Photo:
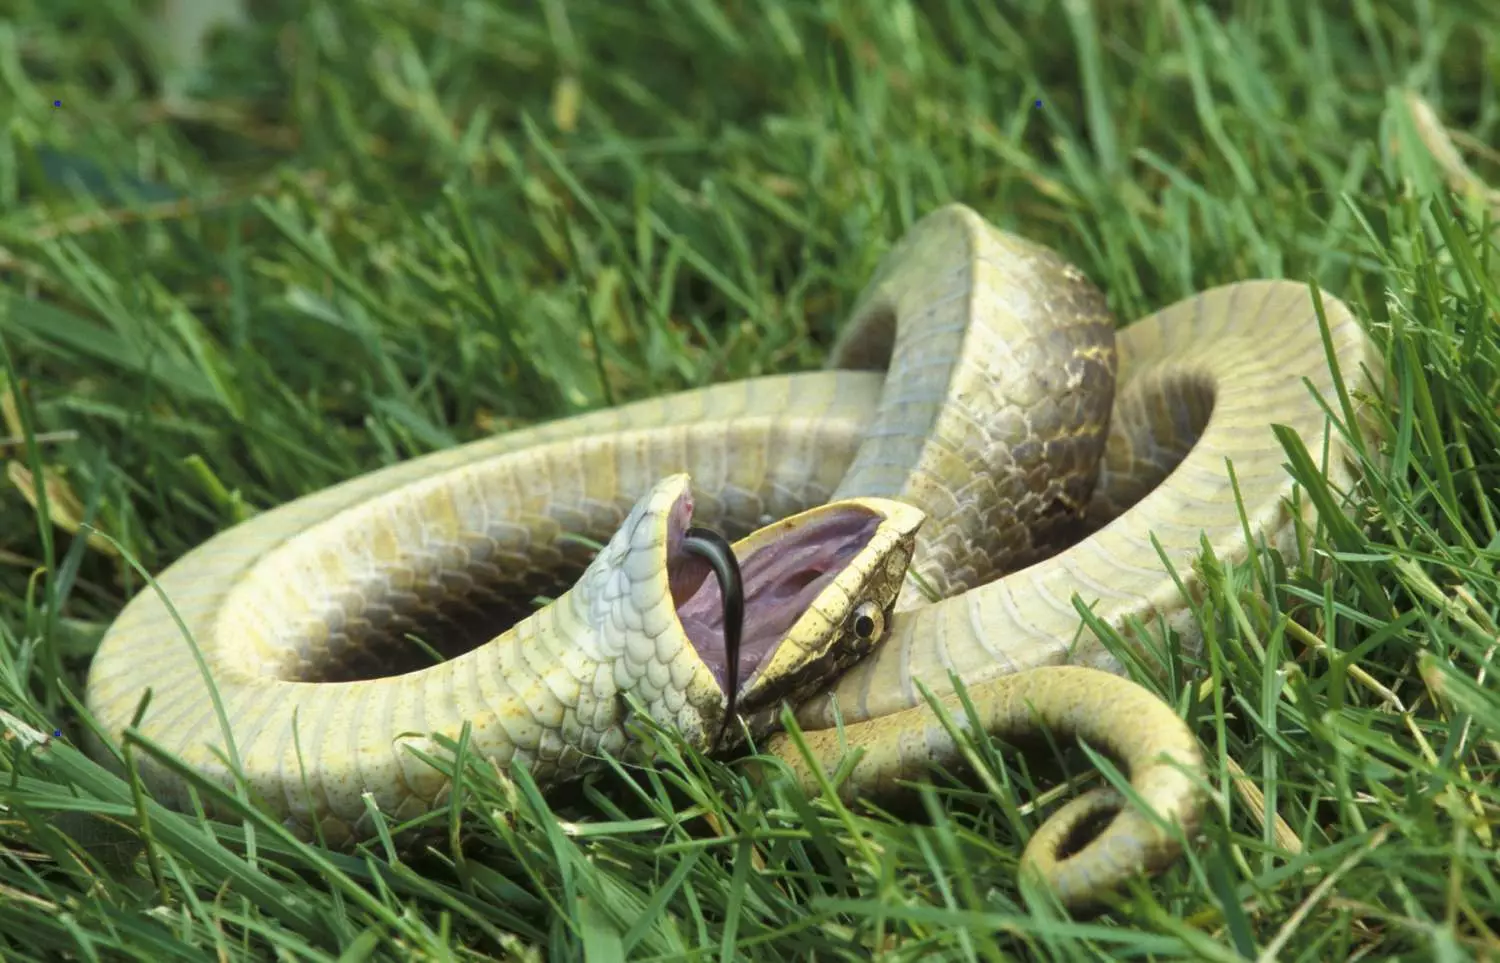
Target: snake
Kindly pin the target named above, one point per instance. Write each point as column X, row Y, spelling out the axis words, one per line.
column 920, row 529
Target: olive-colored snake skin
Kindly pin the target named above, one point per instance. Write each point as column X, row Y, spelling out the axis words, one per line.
column 992, row 420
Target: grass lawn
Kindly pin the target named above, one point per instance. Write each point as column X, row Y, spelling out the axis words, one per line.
column 361, row 232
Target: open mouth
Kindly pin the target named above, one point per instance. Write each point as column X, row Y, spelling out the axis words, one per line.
column 780, row 578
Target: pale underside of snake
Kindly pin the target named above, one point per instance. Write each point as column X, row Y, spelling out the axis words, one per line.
column 1006, row 446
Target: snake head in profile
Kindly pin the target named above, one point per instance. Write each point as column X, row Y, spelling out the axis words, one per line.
column 818, row 588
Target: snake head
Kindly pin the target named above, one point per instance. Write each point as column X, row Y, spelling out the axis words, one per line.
column 819, row 588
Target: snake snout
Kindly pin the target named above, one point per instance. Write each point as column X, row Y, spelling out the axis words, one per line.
column 782, row 576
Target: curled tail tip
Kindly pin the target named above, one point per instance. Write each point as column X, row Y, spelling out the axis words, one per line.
column 1082, row 863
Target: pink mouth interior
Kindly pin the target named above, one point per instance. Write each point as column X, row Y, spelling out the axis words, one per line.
column 781, row 580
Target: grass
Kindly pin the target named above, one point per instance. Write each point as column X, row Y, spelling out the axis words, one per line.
column 373, row 231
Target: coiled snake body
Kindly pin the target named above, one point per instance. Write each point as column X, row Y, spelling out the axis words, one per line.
column 993, row 418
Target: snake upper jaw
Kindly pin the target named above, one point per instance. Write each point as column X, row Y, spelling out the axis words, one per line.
column 819, row 589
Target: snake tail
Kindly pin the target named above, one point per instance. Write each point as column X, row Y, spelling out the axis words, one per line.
column 1108, row 712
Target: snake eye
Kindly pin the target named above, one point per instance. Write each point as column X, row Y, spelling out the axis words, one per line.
column 868, row 621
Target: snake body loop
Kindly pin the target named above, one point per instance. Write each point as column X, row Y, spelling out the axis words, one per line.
column 1014, row 452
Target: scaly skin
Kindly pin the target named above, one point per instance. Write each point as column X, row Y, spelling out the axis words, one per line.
column 991, row 421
